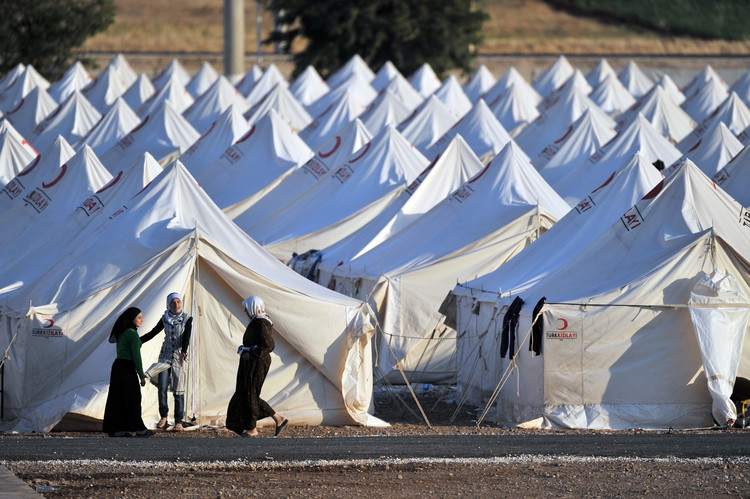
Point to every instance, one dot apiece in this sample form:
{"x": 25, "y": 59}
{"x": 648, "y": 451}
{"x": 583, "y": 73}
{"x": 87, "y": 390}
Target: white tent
{"x": 345, "y": 200}
{"x": 640, "y": 137}
{"x": 515, "y": 108}
{"x": 48, "y": 202}
{"x": 576, "y": 80}
{"x": 173, "y": 92}
{"x": 308, "y": 87}
{"x": 123, "y": 67}
{"x": 385, "y": 74}
{"x": 705, "y": 76}
{"x": 612, "y": 96}
{"x": 105, "y": 89}
{"x": 173, "y": 70}
{"x": 473, "y": 231}
{"x": 662, "y": 112}
{"x": 118, "y": 121}
{"x": 452, "y": 95}
{"x": 742, "y": 87}
{"x": 405, "y": 93}
{"x": 386, "y": 109}
{"x": 328, "y": 157}
{"x": 271, "y": 77}
{"x": 356, "y": 84}
{"x": 712, "y": 152}
{"x": 172, "y": 237}
{"x": 734, "y": 178}
{"x": 29, "y": 78}
{"x": 427, "y": 124}
{"x": 732, "y": 112}
{"x": 450, "y": 170}
{"x": 75, "y": 78}
{"x": 635, "y": 80}
{"x": 15, "y": 153}
{"x": 280, "y": 100}
{"x": 553, "y": 77}
{"x": 212, "y": 102}
{"x": 479, "y": 83}
{"x": 163, "y": 133}
{"x": 340, "y": 113}
{"x": 582, "y": 139}
{"x": 672, "y": 89}
{"x": 72, "y": 119}
{"x": 202, "y": 80}
{"x": 43, "y": 246}
{"x": 554, "y": 120}
{"x": 481, "y": 131}
{"x": 43, "y": 167}
{"x": 599, "y": 73}
{"x": 617, "y": 344}
{"x": 10, "y": 77}
{"x": 254, "y": 165}
{"x": 228, "y": 128}
{"x": 31, "y": 111}
{"x": 510, "y": 78}
{"x": 424, "y": 80}
{"x": 249, "y": 79}
{"x": 139, "y": 92}
{"x": 354, "y": 67}
{"x": 705, "y": 100}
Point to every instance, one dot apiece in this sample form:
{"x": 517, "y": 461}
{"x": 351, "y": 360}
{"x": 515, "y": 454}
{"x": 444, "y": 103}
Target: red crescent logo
{"x": 144, "y": 188}
{"x": 364, "y": 151}
{"x": 695, "y": 146}
{"x": 63, "y": 169}
{"x": 565, "y": 135}
{"x": 140, "y": 125}
{"x": 111, "y": 183}
{"x": 564, "y": 324}
{"x": 478, "y": 175}
{"x": 336, "y": 146}
{"x": 16, "y": 108}
{"x": 49, "y": 324}
{"x": 605, "y": 182}
{"x": 28, "y": 169}
{"x": 656, "y": 190}
{"x": 247, "y": 135}
{"x": 209, "y": 129}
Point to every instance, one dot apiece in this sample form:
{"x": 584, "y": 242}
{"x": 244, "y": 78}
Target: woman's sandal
{"x": 280, "y": 427}
{"x": 245, "y": 434}
{"x": 178, "y": 427}
{"x": 162, "y": 424}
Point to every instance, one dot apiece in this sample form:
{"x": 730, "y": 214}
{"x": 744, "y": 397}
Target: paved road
{"x": 200, "y": 449}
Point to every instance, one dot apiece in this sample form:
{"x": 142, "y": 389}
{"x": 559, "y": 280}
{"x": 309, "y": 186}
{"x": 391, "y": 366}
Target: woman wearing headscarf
{"x": 122, "y": 414}
{"x": 246, "y": 407}
{"x": 169, "y": 372}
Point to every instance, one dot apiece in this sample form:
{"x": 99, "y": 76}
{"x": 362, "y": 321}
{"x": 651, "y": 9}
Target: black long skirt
{"x": 123, "y": 409}
{"x": 246, "y": 407}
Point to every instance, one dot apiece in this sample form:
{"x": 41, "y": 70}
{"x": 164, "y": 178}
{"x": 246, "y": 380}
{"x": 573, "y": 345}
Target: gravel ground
{"x": 524, "y": 475}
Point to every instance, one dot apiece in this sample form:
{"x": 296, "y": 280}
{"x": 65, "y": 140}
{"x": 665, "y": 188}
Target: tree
{"x": 442, "y": 33}
{"x": 44, "y": 32}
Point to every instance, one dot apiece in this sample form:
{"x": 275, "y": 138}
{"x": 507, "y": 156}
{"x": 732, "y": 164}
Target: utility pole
{"x": 234, "y": 39}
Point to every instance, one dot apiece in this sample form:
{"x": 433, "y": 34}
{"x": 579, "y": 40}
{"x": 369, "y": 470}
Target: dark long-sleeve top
{"x": 160, "y": 327}
{"x": 259, "y": 334}
{"x": 129, "y": 348}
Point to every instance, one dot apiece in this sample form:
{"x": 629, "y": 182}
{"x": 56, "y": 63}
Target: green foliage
{"x": 44, "y": 32}
{"x": 715, "y": 19}
{"x": 443, "y": 33}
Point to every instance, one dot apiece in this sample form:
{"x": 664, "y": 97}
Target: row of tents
{"x": 577, "y": 235}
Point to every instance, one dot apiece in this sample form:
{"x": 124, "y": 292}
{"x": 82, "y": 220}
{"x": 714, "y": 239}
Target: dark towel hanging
{"x": 535, "y": 344}
{"x": 510, "y": 326}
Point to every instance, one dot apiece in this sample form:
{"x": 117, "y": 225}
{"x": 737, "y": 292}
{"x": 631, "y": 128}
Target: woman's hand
{"x": 143, "y": 382}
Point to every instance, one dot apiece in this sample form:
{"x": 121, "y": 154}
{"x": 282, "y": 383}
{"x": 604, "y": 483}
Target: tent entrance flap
{"x": 719, "y": 312}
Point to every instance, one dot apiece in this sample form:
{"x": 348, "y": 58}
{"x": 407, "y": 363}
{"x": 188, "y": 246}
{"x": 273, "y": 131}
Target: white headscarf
{"x": 171, "y": 317}
{"x": 255, "y": 307}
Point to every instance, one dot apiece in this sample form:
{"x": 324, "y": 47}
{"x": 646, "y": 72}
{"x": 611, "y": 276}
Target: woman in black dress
{"x": 122, "y": 414}
{"x": 246, "y": 407}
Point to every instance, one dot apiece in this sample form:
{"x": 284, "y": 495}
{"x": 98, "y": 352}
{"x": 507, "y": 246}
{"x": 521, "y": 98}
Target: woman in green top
{"x": 122, "y": 414}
